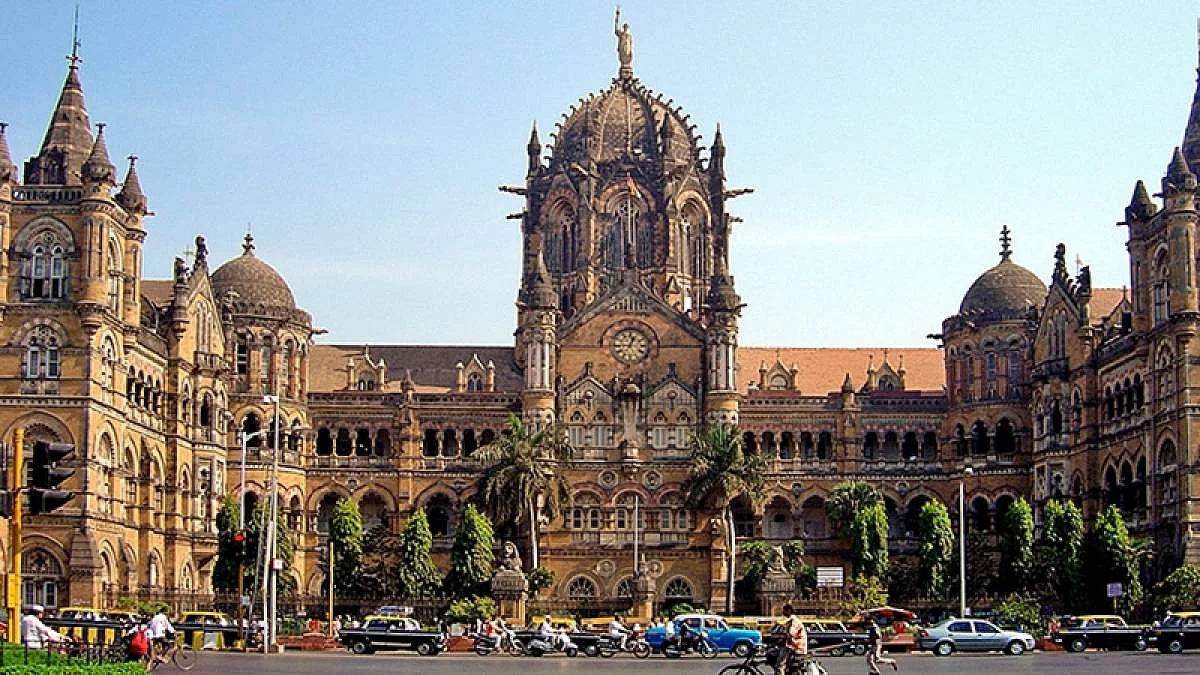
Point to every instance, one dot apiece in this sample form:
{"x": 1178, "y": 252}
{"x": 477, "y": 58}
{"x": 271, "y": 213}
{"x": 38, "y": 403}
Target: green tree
{"x": 1016, "y": 547}
{"x": 863, "y": 592}
{"x": 379, "y": 562}
{"x": 469, "y": 609}
{"x": 285, "y": 548}
{"x": 415, "y": 572}
{"x": 722, "y": 470}
{"x": 856, "y": 512}
{"x": 225, "y": 572}
{"x": 1024, "y": 612}
{"x": 1115, "y": 557}
{"x": 1180, "y": 590}
{"x": 539, "y": 578}
{"x": 522, "y": 481}
{"x": 935, "y": 550}
{"x": 472, "y": 556}
{"x": 346, "y": 533}
{"x": 1060, "y": 550}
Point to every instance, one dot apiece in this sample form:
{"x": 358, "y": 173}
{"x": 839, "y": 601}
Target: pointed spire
{"x": 847, "y": 385}
{"x": 541, "y": 289}
{"x": 716, "y": 155}
{"x": 1179, "y": 165}
{"x": 1141, "y": 207}
{"x": 1191, "y": 133}
{"x": 1179, "y": 183}
{"x": 68, "y": 139}
{"x": 1005, "y": 244}
{"x": 8, "y": 171}
{"x": 131, "y": 196}
{"x": 99, "y": 168}
{"x": 534, "y": 150}
{"x": 248, "y": 244}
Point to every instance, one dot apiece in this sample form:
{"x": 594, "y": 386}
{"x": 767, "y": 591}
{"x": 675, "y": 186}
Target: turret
{"x": 98, "y": 173}
{"x": 8, "y": 180}
{"x": 539, "y": 337}
{"x": 1179, "y": 212}
{"x": 721, "y": 334}
{"x": 68, "y": 139}
{"x": 534, "y": 151}
{"x": 131, "y": 197}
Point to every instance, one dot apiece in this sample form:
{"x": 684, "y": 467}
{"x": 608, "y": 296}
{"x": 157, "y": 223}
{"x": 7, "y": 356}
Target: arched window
{"x": 362, "y": 442}
{"x": 252, "y": 425}
{"x": 870, "y": 445}
{"x": 624, "y": 588}
{"x": 324, "y": 442}
{"x": 383, "y": 443}
{"x": 581, "y": 588}
{"x": 980, "y": 514}
{"x": 979, "y": 438}
{"x": 41, "y": 578}
{"x": 115, "y": 277}
{"x": 929, "y": 445}
{"x": 678, "y": 589}
{"x": 474, "y": 382}
{"x": 342, "y": 445}
{"x": 1006, "y": 442}
{"x": 437, "y": 509}
{"x": 825, "y": 445}
{"x": 1161, "y": 290}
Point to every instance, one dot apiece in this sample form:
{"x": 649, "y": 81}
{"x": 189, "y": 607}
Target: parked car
{"x": 738, "y": 641}
{"x": 1104, "y": 631}
{"x": 836, "y": 636}
{"x": 1177, "y": 632}
{"x": 391, "y": 633}
{"x": 972, "y": 635}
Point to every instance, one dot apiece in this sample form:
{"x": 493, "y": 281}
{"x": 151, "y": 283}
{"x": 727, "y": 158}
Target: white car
{"x": 972, "y": 635}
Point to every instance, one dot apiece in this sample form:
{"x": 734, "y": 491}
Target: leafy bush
{"x": 1023, "y": 612}
{"x": 679, "y": 608}
{"x": 469, "y": 609}
{"x": 18, "y": 661}
{"x": 1180, "y": 590}
{"x": 539, "y": 578}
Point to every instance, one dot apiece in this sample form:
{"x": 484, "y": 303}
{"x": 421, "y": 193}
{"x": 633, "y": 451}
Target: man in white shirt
{"x": 161, "y": 632}
{"x": 618, "y": 632}
{"x": 34, "y": 633}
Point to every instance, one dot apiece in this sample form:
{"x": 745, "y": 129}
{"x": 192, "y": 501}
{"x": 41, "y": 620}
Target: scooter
{"x": 635, "y": 644}
{"x": 503, "y": 642}
{"x": 698, "y": 643}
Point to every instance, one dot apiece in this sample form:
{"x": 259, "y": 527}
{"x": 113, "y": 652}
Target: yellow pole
{"x": 330, "y": 617}
{"x": 14, "y": 536}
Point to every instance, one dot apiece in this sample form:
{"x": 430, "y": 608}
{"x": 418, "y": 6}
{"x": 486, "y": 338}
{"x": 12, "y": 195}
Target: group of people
{"x": 793, "y": 650}
{"x": 157, "y": 635}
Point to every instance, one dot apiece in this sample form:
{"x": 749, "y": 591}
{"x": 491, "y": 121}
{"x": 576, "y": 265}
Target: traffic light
{"x": 46, "y": 477}
{"x": 239, "y": 545}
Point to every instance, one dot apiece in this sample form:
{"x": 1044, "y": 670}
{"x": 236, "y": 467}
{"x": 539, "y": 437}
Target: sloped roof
{"x": 822, "y": 369}
{"x": 158, "y": 291}
{"x": 432, "y": 366}
{"x": 1104, "y": 301}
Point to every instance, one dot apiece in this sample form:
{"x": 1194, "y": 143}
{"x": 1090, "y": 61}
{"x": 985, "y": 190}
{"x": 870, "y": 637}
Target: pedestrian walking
{"x": 875, "y": 647}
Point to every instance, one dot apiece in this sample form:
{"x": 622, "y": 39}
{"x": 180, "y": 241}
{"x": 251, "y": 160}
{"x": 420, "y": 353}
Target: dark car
{"x": 833, "y": 635}
{"x": 1102, "y": 631}
{"x": 379, "y": 633}
{"x": 1178, "y": 632}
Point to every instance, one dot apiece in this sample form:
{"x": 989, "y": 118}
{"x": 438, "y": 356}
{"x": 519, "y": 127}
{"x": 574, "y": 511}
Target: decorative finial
{"x": 74, "y": 57}
{"x": 100, "y": 127}
{"x": 201, "y": 250}
{"x": 1005, "y": 243}
{"x": 3, "y": 127}
{"x": 624, "y": 46}
{"x": 132, "y": 160}
{"x": 248, "y": 247}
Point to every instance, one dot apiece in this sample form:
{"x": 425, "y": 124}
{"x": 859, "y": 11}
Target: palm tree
{"x": 520, "y": 479}
{"x": 721, "y": 471}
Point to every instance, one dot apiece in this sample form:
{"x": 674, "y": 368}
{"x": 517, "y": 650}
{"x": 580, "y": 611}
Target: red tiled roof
{"x": 1105, "y": 300}
{"x": 822, "y": 369}
{"x": 432, "y": 366}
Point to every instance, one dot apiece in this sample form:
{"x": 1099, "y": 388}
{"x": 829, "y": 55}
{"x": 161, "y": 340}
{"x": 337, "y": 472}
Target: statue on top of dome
{"x": 624, "y": 45}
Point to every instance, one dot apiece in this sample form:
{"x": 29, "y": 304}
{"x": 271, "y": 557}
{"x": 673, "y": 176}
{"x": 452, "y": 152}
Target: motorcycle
{"x": 503, "y": 642}
{"x": 540, "y": 645}
{"x": 635, "y": 644}
{"x": 699, "y": 644}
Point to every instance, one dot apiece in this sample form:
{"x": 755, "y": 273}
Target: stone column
{"x": 643, "y": 594}
{"x": 509, "y": 588}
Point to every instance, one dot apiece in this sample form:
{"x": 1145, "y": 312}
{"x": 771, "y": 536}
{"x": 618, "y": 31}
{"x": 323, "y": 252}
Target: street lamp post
{"x": 245, "y": 439}
{"x": 962, "y": 542}
{"x": 272, "y": 575}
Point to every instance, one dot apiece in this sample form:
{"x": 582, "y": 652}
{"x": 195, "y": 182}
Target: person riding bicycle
{"x": 161, "y": 634}
{"x": 618, "y": 632}
{"x": 795, "y": 641}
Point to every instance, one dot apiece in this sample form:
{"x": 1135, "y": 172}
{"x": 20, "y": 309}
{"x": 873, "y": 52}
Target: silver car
{"x": 972, "y": 635}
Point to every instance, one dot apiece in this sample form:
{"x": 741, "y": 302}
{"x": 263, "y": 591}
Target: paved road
{"x": 1092, "y": 663}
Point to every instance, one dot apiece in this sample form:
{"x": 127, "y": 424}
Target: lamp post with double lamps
{"x": 962, "y": 541}
{"x": 245, "y": 440}
{"x": 271, "y": 565}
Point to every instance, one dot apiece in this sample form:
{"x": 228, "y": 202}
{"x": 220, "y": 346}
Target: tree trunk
{"x": 732, "y": 546}
{"x": 533, "y": 537}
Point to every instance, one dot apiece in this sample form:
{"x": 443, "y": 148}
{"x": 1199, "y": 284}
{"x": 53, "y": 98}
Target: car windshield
{"x": 1171, "y": 621}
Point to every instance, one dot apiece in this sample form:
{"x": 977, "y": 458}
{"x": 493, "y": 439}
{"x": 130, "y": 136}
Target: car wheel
{"x": 1077, "y": 645}
{"x": 859, "y": 650}
{"x": 1175, "y": 646}
{"x": 591, "y": 650}
{"x": 943, "y": 649}
{"x": 360, "y": 647}
{"x": 1016, "y": 648}
{"x": 426, "y": 649}
{"x": 837, "y": 651}
{"x": 1140, "y": 645}
{"x": 742, "y": 650}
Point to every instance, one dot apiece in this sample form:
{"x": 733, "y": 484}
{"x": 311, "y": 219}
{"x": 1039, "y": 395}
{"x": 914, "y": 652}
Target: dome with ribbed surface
{"x": 255, "y": 282}
{"x": 1005, "y": 291}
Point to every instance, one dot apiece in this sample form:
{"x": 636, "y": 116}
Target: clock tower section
{"x": 627, "y": 316}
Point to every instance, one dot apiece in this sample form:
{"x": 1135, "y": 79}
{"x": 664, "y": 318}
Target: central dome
{"x": 625, "y": 119}
{"x": 255, "y": 282}
{"x": 1005, "y": 291}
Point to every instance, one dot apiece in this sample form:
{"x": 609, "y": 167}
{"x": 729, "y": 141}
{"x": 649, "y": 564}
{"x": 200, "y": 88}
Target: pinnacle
{"x": 98, "y": 166}
{"x": 131, "y": 195}
{"x": 8, "y": 171}
{"x": 1179, "y": 165}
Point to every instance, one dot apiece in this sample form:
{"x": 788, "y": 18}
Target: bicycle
{"x": 759, "y": 662}
{"x": 179, "y": 653}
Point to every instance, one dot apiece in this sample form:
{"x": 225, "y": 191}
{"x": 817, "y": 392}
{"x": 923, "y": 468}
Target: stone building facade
{"x": 626, "y": 336}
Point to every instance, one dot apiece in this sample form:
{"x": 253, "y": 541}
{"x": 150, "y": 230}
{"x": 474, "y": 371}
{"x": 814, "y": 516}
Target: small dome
{"x": 1003, "y": 292}
{"x": 254, "y": 281}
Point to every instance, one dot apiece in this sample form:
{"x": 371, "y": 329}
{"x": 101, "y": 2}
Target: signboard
{"x": 1115, "y": 590}
{"x": 831, "y": 577}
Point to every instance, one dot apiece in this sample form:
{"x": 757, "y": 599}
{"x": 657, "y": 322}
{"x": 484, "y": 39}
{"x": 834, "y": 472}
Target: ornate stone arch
{"x": 37, "y": 229}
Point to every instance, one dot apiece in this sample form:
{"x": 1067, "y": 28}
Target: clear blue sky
{"x": 887, "y": 142}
